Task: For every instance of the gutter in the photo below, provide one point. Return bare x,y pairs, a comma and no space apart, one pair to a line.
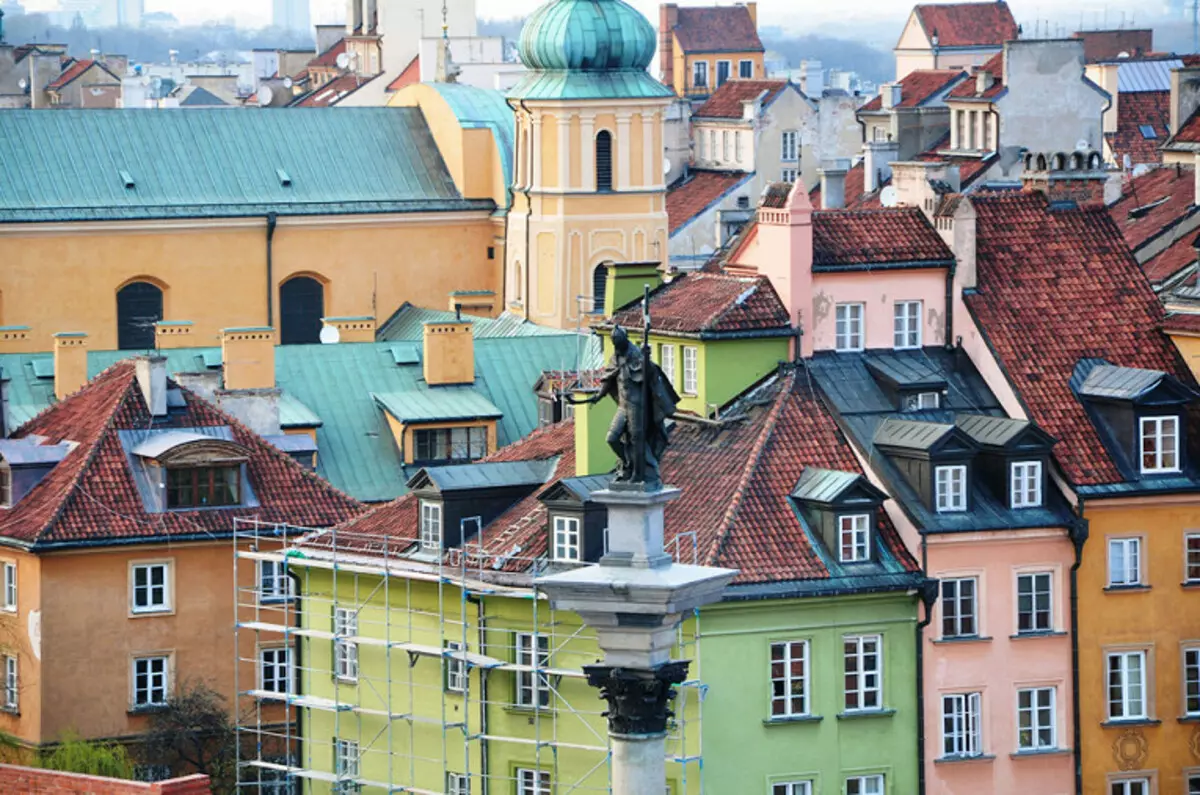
272,219
1079,536
883,266
929,594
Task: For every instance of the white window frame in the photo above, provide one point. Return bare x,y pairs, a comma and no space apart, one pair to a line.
1125,786
865,785
1193,782
1127,679
1031,718
274,584
1154,430
950,488
346,759
855,648
1025,484
1191,558
531,781
1036,580
10,586
1191,681
962,725
691,370
151,661
741,63
791,788
567,539
269,661
458,784
726,145
966,608
668,355
786,654
533,687
431,525
12,682
789,175
1129,564
345,652
854,528
849,327
456,668
700,74
153,604
906,325
923,401
789,145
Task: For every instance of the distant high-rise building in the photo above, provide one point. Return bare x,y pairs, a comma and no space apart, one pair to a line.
291,15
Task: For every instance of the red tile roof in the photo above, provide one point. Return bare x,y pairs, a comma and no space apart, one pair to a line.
1182,322
987,24
91,496
876,237
1171,260
329,57
967,88
918,87
1189,131
716,29
696,303
969,168
1154,203
1136,109
410,75
726,101
696,192
1056,286
855,198
332,92
76,70
1108,45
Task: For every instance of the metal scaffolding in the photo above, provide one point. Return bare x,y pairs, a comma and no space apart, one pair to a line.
413,688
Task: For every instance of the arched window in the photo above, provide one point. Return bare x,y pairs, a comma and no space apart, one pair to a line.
301,307
599,285
604,180
139,307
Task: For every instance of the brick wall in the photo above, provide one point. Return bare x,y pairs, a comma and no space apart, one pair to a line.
35,781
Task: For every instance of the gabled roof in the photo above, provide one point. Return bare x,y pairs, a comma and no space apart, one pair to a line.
918,87
968,89
1169,262
983,24
727,101
1188,133
919,435
76,70
91,495
711,304
1154,204
989,431
1056,286
716,29
697,191
200,97
829,486
333,92
484,475
1109,45
410,75
875,239
1143,125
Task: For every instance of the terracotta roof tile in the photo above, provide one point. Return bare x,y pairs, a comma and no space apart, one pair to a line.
1054,287
1135,111
876,237
410,75
695,303
1107,45
717,29
1154,202
918,87
1189,131
329,57
726,101
332,92
696,192
967,88
91,496
1185,322
76,70
1171,260
986,24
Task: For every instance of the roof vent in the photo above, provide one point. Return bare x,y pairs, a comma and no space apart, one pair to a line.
127,178
284,179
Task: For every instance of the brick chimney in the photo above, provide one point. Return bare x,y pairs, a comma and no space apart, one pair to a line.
248,357
70,362
752,7
352,329
449,354
1185,95
784,250
668,18
1077,177
169,334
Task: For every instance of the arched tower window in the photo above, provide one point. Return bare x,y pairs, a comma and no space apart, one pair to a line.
604,181
599,285
301,307
139,307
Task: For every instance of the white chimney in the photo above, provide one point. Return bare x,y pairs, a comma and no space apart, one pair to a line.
151,374
813,77
833,184
877,159
890,95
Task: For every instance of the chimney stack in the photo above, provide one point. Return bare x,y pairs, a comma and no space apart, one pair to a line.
983,80
833,184
449,353
1185,95
170,334
248,357
352,329
152,378
14,339
891,95
877,159
70,363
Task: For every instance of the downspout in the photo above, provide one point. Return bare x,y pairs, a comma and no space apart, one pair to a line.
929,594
271,221
483,695
525,299
950,301
1079,536
297,618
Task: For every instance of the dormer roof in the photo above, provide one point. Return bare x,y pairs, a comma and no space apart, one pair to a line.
906,374
829,487
1110,382
484,475
921,436
185,446
1003,433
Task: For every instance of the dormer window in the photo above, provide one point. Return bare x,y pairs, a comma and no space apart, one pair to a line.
204,487
1159,444
431,525
951,488
566,538
922,401
1025,484
854,534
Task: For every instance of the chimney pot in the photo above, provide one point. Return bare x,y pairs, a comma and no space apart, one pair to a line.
70,363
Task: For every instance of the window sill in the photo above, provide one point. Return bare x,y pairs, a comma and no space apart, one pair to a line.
1118,723
963,639
1045,633
516,709
1035,752
345,680
866,713
954,760
1126,588
146,709
14,711
1189,719
1187,584
780,721
157,611
277,600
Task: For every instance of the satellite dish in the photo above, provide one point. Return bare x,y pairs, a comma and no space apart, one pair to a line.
1123,54
23,83
287,82
343,60
666,165
264,96
888,196
1081,145
330,335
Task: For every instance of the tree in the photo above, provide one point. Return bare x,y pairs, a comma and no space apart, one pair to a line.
193,733
74,755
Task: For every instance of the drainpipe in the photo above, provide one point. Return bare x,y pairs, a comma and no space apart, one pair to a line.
950,300
929,594
271,220
525,298
295,649
1079,536
483,694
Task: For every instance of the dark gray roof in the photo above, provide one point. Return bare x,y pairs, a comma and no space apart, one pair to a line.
853,387
584,487
911,434
1119,383
989,430
907,372
486,475
827,485
201,97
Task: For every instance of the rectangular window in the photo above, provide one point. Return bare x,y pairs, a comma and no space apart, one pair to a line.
1191,681
274,585
959,608
788,175
1191,551
1025,486
701,148
880,134
849,327
1035,602
275,673
951,489
204,487
1124,561
150,681
10,587
790,140
723,68
431,525
457,784
1126,685
11,683
863,657
972,126
345,650
667,355
1036,721
345,759
1160,444
962,724
960,129
700,74
853,532
1194,785
792,788
789,679
566,538
907,326
864,785
1131,786
745,69
922,401
456,668
151,589
533,687
533,782
450,444
691,374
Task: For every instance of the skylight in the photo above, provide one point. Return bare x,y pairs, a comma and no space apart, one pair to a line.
1148,131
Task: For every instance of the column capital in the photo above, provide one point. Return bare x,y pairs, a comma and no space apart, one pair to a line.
638,698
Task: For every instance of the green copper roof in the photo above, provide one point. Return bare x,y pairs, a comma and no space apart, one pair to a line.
445,404
408,324
140,164
484,108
